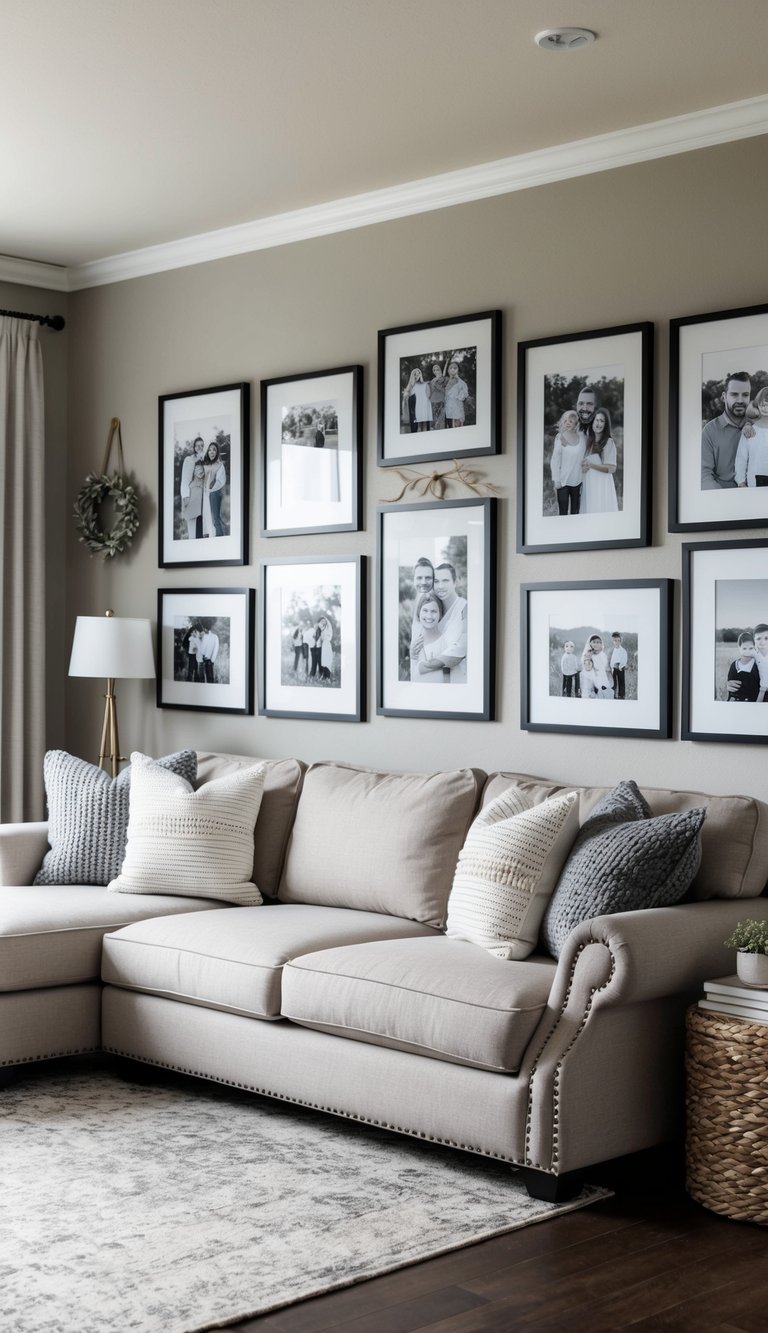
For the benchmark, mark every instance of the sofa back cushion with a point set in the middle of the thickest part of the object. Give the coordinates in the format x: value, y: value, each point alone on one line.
x: 282, y: 784
x: 734, y: 836
x: 379, y: 842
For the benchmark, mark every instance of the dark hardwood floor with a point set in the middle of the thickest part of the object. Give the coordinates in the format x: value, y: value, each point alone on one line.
x: 647, y: 1259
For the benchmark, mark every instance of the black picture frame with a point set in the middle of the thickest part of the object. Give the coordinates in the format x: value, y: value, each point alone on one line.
x: 641, y: 611
x: 304, y: 491
x: 723, y: 584
x: 410, y: 534
x: 205, y: 414
x: 182, y: 682
x: 293, y: 601
x: 707, y: 351
x: 550, y: 372
x: 476, y: 341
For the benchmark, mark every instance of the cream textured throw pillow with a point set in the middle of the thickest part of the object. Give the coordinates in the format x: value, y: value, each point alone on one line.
x: 197, y: 844
x: 507, y: 870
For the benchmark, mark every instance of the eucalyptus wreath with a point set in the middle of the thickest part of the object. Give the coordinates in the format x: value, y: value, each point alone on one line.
x: 88, y: 504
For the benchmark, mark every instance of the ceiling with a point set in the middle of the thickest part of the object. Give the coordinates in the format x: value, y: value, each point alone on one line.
x: 133, y: 123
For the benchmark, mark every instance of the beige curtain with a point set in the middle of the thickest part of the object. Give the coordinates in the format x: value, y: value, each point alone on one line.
x: 22, y: 571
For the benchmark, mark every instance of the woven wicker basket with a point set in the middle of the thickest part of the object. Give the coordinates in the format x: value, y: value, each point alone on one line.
x: 727, y: 1112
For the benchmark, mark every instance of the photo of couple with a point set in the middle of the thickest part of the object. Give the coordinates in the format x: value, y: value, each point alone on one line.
x: 583, y: 444
x: 310, y: 646
x: 438, y: 390
x: 433, y: 611
x: 201, y: 649
x: 604, y: 668
x: 734, y: 436
x: 201, y: 480
x: 741, y: 641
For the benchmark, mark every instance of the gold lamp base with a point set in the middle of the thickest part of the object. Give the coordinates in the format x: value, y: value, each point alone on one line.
x: 109, y: 732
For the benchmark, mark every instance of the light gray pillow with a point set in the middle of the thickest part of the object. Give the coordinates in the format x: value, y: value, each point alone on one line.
x: 624, y: 859
x: 88, y: 817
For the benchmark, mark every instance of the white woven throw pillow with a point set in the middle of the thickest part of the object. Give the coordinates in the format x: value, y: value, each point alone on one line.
x: 507, y: 870
x: 196, y: 844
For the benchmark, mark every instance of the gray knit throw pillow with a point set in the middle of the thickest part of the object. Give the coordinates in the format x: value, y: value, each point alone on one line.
x: 88, y: 817
x: 624, y: 859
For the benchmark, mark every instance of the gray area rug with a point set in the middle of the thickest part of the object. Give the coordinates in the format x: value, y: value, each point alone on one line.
x: 181, y: 1206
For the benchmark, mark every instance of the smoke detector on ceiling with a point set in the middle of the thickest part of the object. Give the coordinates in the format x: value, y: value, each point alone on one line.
x: 564, y: 39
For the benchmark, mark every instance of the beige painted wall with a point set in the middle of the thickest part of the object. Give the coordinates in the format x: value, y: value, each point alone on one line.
x: 680, y: 236
x: 35, y: 301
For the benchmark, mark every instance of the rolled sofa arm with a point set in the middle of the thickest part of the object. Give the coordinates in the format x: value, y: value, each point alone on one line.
x: 604, y: 1065
x: 22, y: 848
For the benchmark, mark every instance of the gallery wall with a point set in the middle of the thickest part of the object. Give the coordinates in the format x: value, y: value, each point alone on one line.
x: 648, y: 242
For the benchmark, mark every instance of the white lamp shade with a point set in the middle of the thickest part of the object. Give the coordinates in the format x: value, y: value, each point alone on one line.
x: 116, y: 646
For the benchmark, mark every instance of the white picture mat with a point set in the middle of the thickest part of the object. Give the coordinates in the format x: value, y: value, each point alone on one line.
x: 279, y: 582
x: 219, y: 406
x: 709, y: 351
x: 606, y: 609
x: 189, y: 693
x: 400, y: 535
x: 708, y: 714
x: 311, y: 513
x: 450, y: 440
x: 620, y: 355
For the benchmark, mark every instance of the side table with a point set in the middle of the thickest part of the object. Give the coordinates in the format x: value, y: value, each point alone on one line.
x: 727, y: 1114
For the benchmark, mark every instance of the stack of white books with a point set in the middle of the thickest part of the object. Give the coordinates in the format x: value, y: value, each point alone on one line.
x: 729, y: 995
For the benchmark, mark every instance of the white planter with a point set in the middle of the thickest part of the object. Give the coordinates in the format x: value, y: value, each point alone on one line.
x: 752, y: 968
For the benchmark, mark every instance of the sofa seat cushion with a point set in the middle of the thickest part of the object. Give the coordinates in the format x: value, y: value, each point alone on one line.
x: 234, y: 959
x: 51, y: 935
x: 438, y: 997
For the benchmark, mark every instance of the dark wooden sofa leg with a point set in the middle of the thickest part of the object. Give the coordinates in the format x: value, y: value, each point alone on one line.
x: 549, y: 1188
x: 132, y: 1071
x: 8, y: 1075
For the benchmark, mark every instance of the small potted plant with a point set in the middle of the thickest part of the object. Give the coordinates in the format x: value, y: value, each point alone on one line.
x: 750, y: 938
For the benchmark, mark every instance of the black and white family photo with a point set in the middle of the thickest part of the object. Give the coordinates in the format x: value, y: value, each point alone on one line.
x: 201, y: 649
x: 310, y: 426
x: 741, y: 640
x: 433, y: 610
x: 734, y: 419
x: 201, y: 454
x: 584, y: 442
x: 438, y: 390
x: 310, y: 648
x: 590, y: 663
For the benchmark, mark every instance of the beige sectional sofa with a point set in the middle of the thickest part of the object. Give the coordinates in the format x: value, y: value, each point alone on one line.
x: 343, y: 992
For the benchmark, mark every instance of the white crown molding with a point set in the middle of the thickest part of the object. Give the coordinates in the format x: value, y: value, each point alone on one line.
x: 30, y: 273
x: 603, y: 152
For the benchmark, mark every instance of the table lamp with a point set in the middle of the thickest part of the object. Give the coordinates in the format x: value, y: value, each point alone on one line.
x: 112, y: 646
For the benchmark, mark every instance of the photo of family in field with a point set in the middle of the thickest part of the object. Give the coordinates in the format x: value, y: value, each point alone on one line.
x: 741, y: 640
x: 201, y: 649
x: 590, y: 663
x: 438, y: 390
x: 201, y: 454
x: 734, y: 419
x: 310, y: 649
x: 432, y: 637
x: 303, y: 475
x: 584, y: 442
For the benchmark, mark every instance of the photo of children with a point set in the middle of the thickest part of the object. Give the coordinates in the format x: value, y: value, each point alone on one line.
x: 741, y: 640
x: 584, y: 442
x: 309, y: 454
x: 201, y: 649
x: 587, y: 663
x: 432, y: 633
x: 311, y: 648
x: 438, y: 390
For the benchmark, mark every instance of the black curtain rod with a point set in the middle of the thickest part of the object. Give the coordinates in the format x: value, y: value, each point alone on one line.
x: 56, y: 322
